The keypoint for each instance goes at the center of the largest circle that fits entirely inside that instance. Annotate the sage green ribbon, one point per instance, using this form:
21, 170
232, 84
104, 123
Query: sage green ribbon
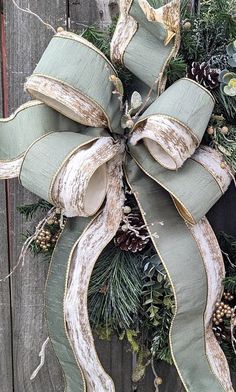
78, 112
55, 292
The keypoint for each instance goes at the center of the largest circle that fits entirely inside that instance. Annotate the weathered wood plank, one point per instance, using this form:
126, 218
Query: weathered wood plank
26, 41
5, 301
86, 13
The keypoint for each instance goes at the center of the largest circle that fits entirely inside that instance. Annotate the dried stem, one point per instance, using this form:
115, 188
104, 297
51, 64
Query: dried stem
232, 328
28, 11
42, 359
156, 383
28, 242
228, 259
147, 99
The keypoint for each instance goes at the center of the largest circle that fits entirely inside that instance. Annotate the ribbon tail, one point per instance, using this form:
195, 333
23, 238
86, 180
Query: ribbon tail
194, 264
215, 270
54, 304
83, 259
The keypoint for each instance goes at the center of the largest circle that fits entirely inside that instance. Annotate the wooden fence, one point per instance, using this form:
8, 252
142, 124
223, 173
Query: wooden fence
22, 325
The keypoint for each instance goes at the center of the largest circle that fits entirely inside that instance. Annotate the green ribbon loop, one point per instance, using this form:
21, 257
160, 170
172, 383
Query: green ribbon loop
194, 189
29, 123
74, 77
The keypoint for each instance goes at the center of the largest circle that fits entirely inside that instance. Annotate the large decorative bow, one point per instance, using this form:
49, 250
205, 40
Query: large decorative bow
68, 147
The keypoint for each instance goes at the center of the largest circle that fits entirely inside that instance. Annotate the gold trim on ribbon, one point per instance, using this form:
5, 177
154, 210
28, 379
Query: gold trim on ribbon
166, 116
76, 90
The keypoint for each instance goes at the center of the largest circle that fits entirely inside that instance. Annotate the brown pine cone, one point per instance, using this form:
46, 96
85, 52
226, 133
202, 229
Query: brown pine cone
204, 75
132, 236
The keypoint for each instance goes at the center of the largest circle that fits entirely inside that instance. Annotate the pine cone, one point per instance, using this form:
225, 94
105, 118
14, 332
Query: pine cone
204, 75
222, 334
132, 235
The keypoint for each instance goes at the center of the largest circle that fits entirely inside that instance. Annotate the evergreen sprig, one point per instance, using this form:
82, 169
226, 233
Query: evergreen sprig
225, 105
226, 144
29, 210
212, 28
230, 355
230, 284
176, 70
114, 291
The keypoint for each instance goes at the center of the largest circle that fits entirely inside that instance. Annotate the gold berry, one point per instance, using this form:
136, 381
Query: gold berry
224, 130
187, 26
158, 381
127, 210
210, 130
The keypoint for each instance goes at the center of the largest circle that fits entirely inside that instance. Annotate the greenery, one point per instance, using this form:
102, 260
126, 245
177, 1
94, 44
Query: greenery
176, 69
29, 210
114, 292
228, 247
211, 30
207, 36
130, 295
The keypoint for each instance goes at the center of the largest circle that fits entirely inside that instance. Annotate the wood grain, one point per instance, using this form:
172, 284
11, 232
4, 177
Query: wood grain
93, 12
26, 41
5, 297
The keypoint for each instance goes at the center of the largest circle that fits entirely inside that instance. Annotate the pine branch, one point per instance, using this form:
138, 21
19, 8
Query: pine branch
29, 210
228, 246
115, 289
176, 70
230, 283
230, 355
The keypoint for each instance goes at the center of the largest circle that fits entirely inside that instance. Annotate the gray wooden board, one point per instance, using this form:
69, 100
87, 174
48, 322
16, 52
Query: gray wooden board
93, 12
26, 40
5, 299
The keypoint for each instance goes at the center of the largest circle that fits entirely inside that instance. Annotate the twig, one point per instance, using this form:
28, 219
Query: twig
232, 328
28, 11
157, 380
228, 259
28, 242
147, 97
42, 360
